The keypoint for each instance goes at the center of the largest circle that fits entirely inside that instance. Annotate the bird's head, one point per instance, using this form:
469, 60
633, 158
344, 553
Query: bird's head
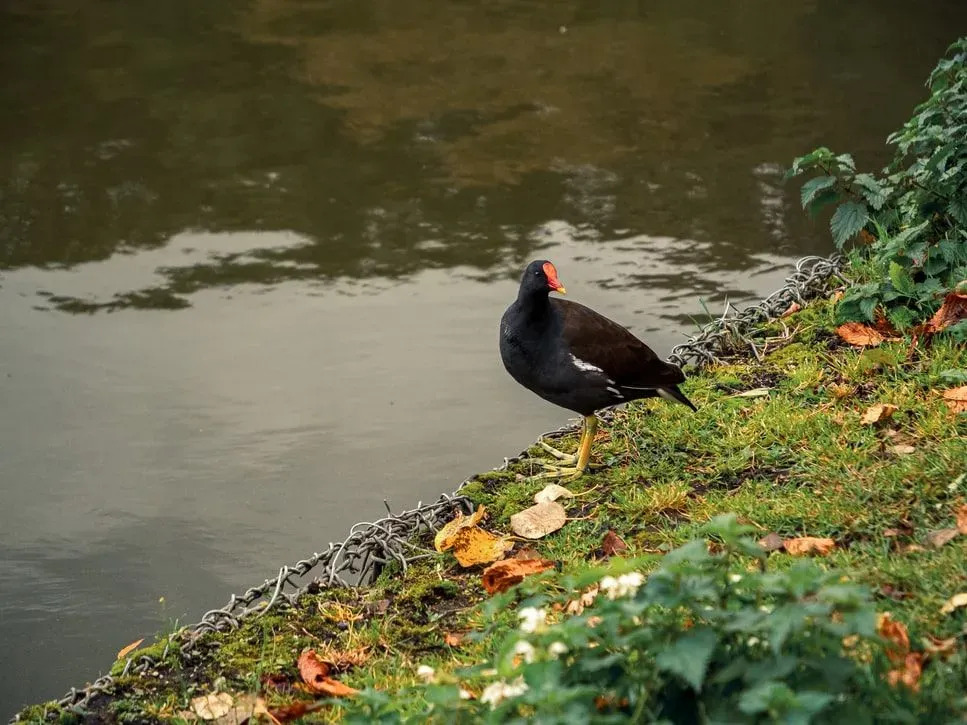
541, 276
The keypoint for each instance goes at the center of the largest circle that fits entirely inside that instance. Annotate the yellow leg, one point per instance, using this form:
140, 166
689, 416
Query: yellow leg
580, 460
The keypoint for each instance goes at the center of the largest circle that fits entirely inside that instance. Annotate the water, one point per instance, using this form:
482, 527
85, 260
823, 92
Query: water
253, 255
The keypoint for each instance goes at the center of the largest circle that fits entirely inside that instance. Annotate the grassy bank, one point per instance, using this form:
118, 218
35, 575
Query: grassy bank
779, 443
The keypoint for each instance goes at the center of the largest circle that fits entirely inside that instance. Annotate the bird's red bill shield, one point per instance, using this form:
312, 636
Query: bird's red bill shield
552, 281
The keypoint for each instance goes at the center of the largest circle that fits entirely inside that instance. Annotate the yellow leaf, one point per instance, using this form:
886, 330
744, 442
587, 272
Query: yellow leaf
955, 602
877, 413
125, 651
476, 546
445, 535
539, 520
808, 545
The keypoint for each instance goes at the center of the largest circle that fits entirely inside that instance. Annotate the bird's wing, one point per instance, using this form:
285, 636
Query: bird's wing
598, 341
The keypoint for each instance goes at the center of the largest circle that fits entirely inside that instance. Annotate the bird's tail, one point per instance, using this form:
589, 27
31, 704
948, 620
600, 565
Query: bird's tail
673, 394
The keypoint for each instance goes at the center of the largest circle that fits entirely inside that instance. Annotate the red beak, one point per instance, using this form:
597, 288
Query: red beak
552, 281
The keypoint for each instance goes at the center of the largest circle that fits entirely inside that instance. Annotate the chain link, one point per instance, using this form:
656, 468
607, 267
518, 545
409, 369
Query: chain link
360, 558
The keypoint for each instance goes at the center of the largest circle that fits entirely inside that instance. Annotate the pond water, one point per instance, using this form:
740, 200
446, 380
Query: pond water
253, 256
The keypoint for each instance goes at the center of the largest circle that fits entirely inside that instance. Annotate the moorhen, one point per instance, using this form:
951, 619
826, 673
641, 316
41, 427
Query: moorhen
571, 356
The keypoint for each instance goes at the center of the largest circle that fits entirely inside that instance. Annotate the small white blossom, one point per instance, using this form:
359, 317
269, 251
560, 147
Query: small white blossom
496, 692
735, 578
624, 586
465, 694
531, 618
426, 673
767, 608
752, 641
556, 649
526, 650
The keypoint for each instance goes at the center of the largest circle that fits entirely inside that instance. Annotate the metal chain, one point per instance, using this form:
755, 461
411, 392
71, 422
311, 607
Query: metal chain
372, 545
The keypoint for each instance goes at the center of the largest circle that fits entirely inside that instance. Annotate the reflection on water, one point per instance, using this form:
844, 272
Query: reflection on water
306, 219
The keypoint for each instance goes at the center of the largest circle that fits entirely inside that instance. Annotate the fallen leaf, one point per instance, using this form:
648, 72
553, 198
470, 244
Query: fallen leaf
771, 542
125, 651
808, 545
840, 390
955, 602
962, 519
538, 520
476, 546
212, 705
552, 492
878, 413
527, 553
792, 309
754, 393
856, 333
909, 673
956, 399
342, 660
936, 647
910, 548
504, 574
454, 639
287, 713
888, 590
315, 673
903, 450
443, 537
576, 606
952, 311
612, 544
938, 538
895, 633
837, 295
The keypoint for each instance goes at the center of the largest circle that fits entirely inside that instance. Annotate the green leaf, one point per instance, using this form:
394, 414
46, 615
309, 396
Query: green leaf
958, 210
901, 279
689, 656
848, 219
812, 186
871, 190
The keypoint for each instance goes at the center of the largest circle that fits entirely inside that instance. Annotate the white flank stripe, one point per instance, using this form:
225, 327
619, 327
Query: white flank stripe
662, 393
581, 365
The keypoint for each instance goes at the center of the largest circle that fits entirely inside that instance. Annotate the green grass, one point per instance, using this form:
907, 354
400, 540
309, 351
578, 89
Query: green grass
795, 461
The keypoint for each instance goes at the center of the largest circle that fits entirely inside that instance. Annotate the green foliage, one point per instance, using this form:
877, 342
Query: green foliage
915, 209
710, 636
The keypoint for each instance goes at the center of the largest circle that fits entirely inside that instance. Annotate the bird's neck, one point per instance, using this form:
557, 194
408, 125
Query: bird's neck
534, 306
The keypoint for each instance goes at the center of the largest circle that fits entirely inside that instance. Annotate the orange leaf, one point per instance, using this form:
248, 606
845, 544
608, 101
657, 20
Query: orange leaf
444, 537
896, 635
952, 311
856, 333
909, 673
287, 713
312, 669
454, 639
125, 651
877, 413
792, 309
962, 519
504, 574
612, 544
808, 545
956, 399
475, 546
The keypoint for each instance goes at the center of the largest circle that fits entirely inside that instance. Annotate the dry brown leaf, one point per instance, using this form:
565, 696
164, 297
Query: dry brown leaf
613, 545
125, 651
903, 449
955, 602
909, 673
840, 390
962, 518
895, 633
911, 548
576, 606
878, 413
454, 639
504, 574
804, 545
956, 399
527, 553
552, 492
952, 311
856, 333
342, 660
837, 295
213, 705
475, 546
286, 713
771, 542
936, 647
315, 673
792, 309
938, 538
443, 537
538, 520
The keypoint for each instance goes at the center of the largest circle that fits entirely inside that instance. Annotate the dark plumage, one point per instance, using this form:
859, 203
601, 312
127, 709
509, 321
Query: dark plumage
576, 358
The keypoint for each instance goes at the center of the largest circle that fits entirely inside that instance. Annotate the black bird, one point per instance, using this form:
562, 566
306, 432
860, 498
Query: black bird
573, 357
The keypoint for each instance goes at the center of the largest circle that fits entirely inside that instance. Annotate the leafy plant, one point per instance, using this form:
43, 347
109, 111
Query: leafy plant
710, 636
911, 219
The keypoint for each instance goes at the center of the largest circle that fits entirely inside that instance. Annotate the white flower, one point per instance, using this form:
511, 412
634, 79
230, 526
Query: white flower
531, 619
426, 673
752, 641
496, 692
624, 586
765, 608
735, 578
526, 650
556, 649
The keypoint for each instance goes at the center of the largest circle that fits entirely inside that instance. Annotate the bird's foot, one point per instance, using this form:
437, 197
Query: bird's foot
559, 455
563, 473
